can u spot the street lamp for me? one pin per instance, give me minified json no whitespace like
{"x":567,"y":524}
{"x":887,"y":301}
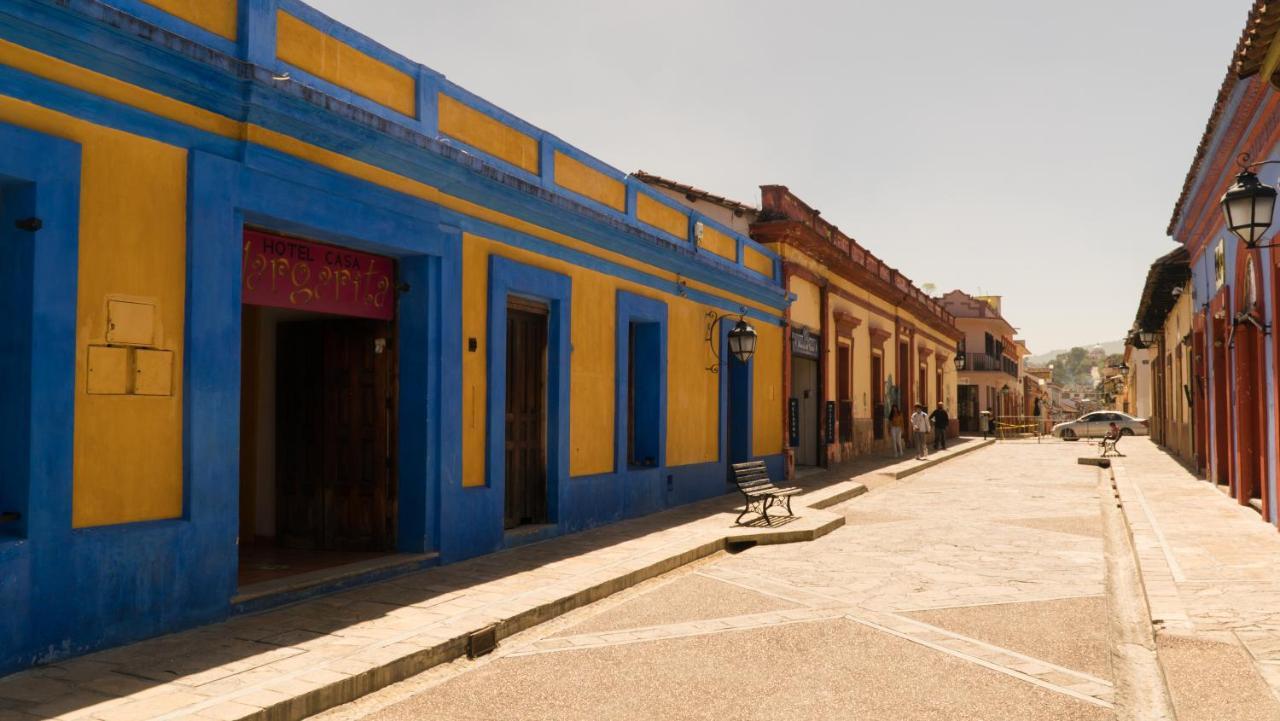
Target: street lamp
{"x":959,"y":360}
{"x":1124,"y":369}
{"x":741,"y":338}
{"x":1248,"y":205}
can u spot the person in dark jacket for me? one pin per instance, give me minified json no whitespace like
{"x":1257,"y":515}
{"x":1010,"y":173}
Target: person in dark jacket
{"x":941,"y":421}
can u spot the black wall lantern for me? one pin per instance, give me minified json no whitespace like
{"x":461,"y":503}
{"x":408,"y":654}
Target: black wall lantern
{"x":1248,"y":206}
{"x":959,"y":360}
{"x":742,"y":339}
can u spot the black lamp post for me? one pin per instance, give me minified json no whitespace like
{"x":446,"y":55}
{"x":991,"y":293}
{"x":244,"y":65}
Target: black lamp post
{"x":1248,"y":205}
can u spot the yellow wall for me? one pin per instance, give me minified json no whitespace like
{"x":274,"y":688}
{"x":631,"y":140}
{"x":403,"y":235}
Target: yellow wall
{"x":589,"y":182}
{"x":719,"y":243}
{"x":757,"y":261}
{"x":661,"y":216}
{"x":478,"y":130}
{"x":693,"y":392}
{"x":216,"y":16}
{"x":324,"y":56}
{"x":127,"y":449}
{"x":766,"y":401}
{"x":806,"y":309}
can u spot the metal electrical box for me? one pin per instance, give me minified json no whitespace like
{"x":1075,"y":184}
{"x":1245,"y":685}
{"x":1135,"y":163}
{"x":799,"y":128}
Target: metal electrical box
{"x":153,"y":372}
{"x":131,"y":323}
{"x":108,"y":370}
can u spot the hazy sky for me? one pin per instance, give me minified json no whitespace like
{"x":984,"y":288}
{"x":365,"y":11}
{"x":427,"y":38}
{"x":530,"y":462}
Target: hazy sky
{"x":1022,"y":148}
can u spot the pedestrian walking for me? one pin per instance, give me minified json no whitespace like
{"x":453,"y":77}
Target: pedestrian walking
{"x":941,"y":422}
{"x":920,"y":431}
{"x":984,"y":421}
{"x":895,"y":429}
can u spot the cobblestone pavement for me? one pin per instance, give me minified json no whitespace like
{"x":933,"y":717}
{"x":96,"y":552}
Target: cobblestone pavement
{"x":306,"y":657}
{"x":969,"y":591}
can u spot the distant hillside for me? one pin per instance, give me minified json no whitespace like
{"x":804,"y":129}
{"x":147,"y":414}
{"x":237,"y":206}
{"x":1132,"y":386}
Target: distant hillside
{"x":1110,"y":347}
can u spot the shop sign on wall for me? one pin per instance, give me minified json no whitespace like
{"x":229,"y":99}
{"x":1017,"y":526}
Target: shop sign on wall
{"x":803,"y":344}
{"x":291,"y":273}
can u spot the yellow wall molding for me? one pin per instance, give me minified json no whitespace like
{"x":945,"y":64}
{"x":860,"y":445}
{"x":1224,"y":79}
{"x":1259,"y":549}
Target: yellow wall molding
{"x":589,"y":182}
{"x":458,"y":120}
{"x":216,"y":16}
{"x":661,"y":216}
{"x":308,"y":48}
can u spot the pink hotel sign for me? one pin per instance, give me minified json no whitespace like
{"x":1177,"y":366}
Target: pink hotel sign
{"x":291,"y":273}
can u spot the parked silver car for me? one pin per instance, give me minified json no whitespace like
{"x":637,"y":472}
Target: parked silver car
{"x":1095,"y":425}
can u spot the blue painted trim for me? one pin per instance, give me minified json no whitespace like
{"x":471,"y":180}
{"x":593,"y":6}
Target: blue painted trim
{"x":355,"y":39}
{"x":155,"y":16}
{"x":632,"y":308}
{"x":506,"y":278}
{"x":282,"y":108}
{"x":351,"y":97}
{"x":256,"y":32}
{"x":725,"y":372}
{"x":38,"y":586}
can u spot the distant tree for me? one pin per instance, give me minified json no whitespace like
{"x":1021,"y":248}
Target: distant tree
{"x":929,"y":288}
{"x":1072,"y":368}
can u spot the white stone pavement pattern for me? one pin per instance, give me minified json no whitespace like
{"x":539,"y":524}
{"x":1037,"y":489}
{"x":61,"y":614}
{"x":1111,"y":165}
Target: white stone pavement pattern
{"x":969,"y":591}
{"x":298,"y":660}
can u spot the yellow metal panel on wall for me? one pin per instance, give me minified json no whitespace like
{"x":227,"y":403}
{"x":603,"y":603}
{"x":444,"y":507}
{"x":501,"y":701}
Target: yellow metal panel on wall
{"x":216,"y":16}
{"x":131,"y":322}
{"x":719,"y":243}
{"x":589,"y":182}
{"x":108,"y":371}
{"x":766,"y":398}
{"x":326,"y":57}
{"x":480,"y":131}
{"x":127,"y":453}
{"x":153,"y":372}
{"x":661,"y":216}
{"x":757,"y":261}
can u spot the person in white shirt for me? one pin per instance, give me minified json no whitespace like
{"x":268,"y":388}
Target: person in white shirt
{"x":920,"y":431}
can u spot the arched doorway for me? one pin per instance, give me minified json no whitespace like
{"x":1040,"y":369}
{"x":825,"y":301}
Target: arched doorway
{"x":1247,"y":363}
{"x":1220,"y":330}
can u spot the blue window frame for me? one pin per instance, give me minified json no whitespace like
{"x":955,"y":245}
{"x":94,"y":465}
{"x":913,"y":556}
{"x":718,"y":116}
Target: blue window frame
{"x":641,"y":382}
{"x":39,"y":190}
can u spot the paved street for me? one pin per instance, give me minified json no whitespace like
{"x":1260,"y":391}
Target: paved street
{"x":969,"y":591}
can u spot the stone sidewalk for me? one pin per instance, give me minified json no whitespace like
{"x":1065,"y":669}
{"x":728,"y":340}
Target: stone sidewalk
{"x":1211,"y":569}
{"x":295,"y":661}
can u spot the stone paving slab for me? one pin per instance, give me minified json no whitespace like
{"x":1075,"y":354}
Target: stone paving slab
{"x":295,"y":661}
{"x":1211,"y":570}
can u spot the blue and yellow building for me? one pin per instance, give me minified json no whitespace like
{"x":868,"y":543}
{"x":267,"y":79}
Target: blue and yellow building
{"x":279,"y":297}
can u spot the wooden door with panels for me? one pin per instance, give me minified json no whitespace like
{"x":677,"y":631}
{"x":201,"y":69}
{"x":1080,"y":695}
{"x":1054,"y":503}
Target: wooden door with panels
{"x":526,"y":413}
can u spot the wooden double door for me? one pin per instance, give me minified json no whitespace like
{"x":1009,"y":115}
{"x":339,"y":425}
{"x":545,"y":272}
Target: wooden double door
{"x":335,"y":461}
{"x":526,"y":415}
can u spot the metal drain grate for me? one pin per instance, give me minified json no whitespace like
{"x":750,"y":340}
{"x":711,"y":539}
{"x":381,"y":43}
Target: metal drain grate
{"x":482,"y":642}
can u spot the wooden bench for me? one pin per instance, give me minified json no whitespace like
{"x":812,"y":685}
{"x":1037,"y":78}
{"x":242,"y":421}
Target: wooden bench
{"x":1108,"y":445}
{"x":753,"y":480}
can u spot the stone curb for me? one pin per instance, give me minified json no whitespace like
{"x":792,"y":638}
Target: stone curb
{"x":930,"y":463}
{"x":397,"y":669}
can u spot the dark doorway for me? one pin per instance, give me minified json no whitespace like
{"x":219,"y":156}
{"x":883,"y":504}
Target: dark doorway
{"x":967,"y":408}
{"x":738,"y":407}
{"x":333,"y":463}
{"x":844,"y":391}
{"x":804,"y":388}
{"x":905,"y":395}
{"x":317,"y":442}
{"x":526,"y":426}
{"x":877,"y":395}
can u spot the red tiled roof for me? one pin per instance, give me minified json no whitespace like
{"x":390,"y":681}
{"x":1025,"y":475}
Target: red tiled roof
{"x":692,"y":194}
{"x":1251,"y":51}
